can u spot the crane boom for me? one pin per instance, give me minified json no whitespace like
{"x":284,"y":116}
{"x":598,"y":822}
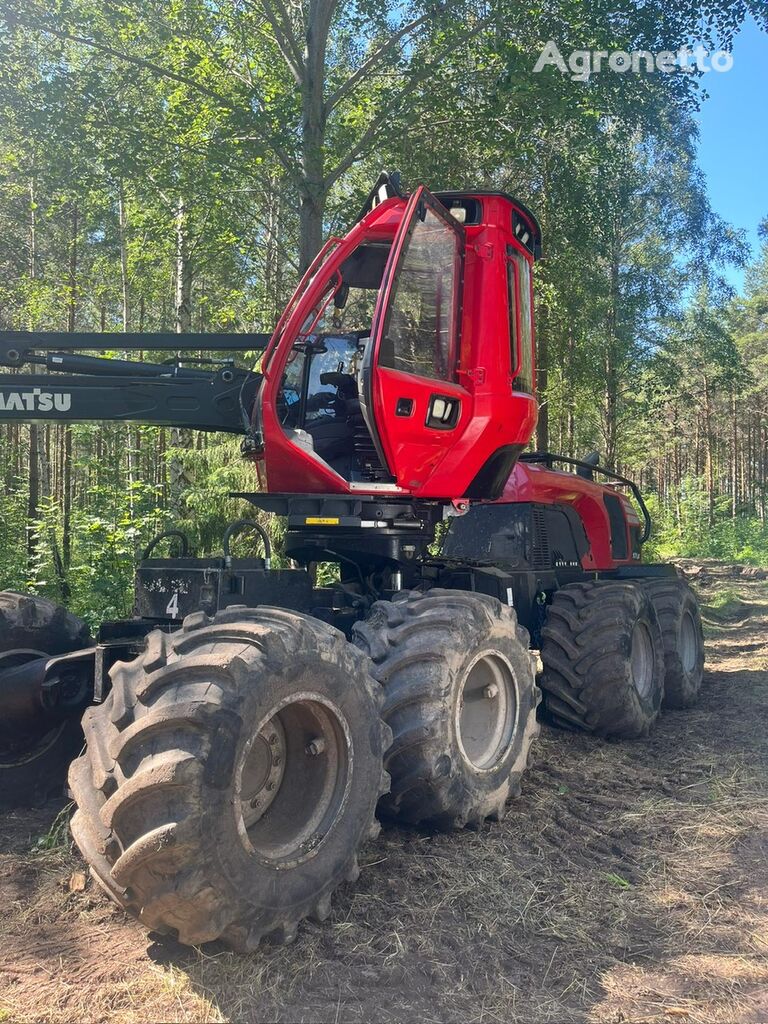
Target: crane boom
{"x":203,"y":394}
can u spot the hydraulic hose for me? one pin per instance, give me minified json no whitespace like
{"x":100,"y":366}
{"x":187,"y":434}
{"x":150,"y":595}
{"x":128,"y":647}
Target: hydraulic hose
{"x":237,"y":527}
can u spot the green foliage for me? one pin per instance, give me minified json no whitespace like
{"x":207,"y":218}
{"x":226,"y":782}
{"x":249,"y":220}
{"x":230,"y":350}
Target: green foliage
{"x":685,"y":531}
{"x":618,"y":881}
{"x":206,"y":509}
{"x":58,"y":837}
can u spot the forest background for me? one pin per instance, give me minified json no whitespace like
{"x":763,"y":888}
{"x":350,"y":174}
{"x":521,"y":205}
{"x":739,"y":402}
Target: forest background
{"x":173,"y":165}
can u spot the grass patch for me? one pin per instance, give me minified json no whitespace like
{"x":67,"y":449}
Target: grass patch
{"x":618,"y":881}
{"x":57,"y":838}
{"x":725,"y":606}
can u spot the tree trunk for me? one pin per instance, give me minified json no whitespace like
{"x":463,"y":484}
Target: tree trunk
{"x":123,"y":227}
{"x":734,"y":457}
{"x":542,"y":380}
{"x":570,"y":393}
{"x":181,"y":478}
{"x":709,"y":454}
{"x":313,"y":190}
{"x":126,"y":317}
{"x":273,"y":287}
{"x":33,"y":499}
{"x":72,"y":284}
{"x":66,"y":516}
{"x":310,"y":225}
{"x":610,"y":364}
{"x":62,"y":558}
{"x":183,"y":301}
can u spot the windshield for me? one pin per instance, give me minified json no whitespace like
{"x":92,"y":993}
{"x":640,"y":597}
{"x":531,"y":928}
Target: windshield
{"x":420,"y":335}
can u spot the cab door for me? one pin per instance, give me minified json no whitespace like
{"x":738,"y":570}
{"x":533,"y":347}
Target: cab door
{"x":413,"y":405}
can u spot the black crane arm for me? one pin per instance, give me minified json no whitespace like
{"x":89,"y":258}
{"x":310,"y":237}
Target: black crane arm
{"x":82,"y":388}
{"x":19,"y":347}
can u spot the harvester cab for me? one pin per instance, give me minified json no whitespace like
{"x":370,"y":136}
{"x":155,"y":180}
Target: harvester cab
{"x":403,"y":364}
{"x":247,"y":726}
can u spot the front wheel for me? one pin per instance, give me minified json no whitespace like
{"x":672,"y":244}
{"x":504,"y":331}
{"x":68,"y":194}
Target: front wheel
{"x":231,"y":776}
{"x":460,"y":698}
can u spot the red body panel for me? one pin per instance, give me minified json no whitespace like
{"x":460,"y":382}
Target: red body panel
{"x":486,"y":357}
{"x":529,"y":482}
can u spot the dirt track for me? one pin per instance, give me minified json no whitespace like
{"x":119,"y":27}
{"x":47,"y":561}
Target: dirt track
{"x":629,"y":883}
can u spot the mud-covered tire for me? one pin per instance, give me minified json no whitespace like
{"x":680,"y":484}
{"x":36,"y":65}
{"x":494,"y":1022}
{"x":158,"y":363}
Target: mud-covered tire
{"x":590,"y":678}
{"x":162,"y":814}
{"x":680,"y":619}
{"x":33,"y":765}
{"x":37,"y":623}
{"x":429,"y":650}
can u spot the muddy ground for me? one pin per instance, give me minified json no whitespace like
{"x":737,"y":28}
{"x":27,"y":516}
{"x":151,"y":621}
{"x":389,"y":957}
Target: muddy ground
{"x":629,"y":883}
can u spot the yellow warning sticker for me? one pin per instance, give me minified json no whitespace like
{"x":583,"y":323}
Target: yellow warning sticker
{"x":321,"y":521}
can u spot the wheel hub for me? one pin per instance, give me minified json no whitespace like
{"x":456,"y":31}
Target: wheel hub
{"x":262,"y":772}
{"x":689,"y":643}
{"x":293,"y":779}
{"x":641,"y":659}
{"x":487,"y":710}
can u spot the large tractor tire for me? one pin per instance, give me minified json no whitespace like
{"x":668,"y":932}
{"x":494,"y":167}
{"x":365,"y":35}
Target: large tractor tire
{"x":603,"y":659}
{"x":34,"y":761}
{"x":460,"y":698}
{"x":231,"y":776}
{"x":680,"y":621}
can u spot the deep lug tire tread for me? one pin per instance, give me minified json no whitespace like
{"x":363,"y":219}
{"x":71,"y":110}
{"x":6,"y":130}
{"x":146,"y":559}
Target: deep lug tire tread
{"x":157,"y":771}
{"x":585,"y":651}
{"x":417,"y":643}
{"x":672,"y":597}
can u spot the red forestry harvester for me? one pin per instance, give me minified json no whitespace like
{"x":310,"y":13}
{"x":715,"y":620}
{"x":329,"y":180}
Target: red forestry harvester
{"x":246,"y":726}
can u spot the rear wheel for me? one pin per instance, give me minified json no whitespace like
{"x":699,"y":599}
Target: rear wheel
{"x":460,"y":697}
{"x":680,"y":619}
{"x":34,"y":761}
{"x":603,"y":659}
{"x":231,"y":776}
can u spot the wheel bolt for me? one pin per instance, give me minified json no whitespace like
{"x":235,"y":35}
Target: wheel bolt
{"x":491,"y":692}
{"x":316,"y":747}
{"x":270,"y":786}
{"x":254,"y":802}
{"x":273,"y":738}
{"x":276,"y":761}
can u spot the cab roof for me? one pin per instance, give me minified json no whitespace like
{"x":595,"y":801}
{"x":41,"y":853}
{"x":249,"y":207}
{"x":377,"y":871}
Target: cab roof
{"x":525,"y":224}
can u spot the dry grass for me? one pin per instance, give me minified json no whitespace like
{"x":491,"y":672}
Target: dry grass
{"x":629,"y":884}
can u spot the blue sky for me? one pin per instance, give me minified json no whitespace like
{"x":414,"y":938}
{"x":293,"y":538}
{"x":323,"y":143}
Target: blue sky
{"x":733,"y":151}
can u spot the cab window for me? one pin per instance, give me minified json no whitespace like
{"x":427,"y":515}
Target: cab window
{"x":420,"y":333}
{"x":520,"y":327}
{"x":318,"y":403}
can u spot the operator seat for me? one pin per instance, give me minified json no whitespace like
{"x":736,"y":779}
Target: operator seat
{"x":340,"y":437}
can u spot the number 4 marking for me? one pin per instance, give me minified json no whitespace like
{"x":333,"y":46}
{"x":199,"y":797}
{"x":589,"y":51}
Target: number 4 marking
{"x":173,"y":606}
